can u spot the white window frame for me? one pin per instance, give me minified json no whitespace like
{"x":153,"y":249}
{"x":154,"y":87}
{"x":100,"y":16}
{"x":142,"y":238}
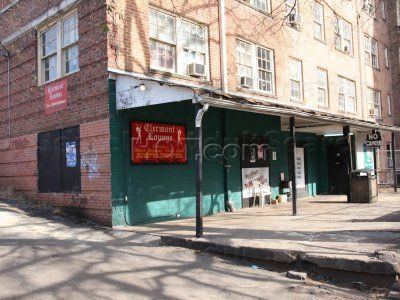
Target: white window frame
{"x":180,"y":60}
{"x":258,"y":5}
{"x":323,"y":86}
{"x":292,"y":6}
{"x":320,"y":23}
{"x":344,"y":93}
{"x":398,"y":12}
{"x":389,"y":103}
{"x":369,"y":45}
{"x":163,"y":42}
{"x":375,"y":101}
{"x":386,"y":54}
{"x":340,"y":35}
{"x":383,"y":7}
{"x":298,"y":80}
{"x":255,"y":69}
{"x":369,"y":6}
{"x":60,"y":57}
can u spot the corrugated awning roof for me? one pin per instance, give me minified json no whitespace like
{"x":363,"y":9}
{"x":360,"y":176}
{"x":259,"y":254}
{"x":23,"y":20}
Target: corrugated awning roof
{"x":253,"y":105}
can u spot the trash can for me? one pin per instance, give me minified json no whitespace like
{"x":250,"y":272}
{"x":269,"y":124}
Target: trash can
{"x":364,"y":186}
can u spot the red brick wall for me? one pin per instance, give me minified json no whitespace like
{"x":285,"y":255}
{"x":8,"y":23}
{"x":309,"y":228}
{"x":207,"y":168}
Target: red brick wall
{"x":87,"y":89}
{"x":19,"y":170}
{"x":87,"y":107}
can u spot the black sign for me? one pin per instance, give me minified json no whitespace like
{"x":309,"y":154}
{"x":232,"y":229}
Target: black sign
{"x":374,"y":139}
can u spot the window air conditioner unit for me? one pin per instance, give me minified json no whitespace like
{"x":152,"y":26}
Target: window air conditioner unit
{"x":294,"y":19}
{"x":246,"y":82}
{"x":373,"y":112}
{"x":196,"y":70}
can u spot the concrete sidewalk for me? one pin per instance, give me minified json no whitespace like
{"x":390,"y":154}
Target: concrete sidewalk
{"x":328,"y":232}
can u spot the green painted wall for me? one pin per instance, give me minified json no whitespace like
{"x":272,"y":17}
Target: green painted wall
{"x":163,"y":192}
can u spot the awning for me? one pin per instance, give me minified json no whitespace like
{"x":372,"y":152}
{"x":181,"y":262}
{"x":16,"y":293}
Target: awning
{"x":269,"y":108}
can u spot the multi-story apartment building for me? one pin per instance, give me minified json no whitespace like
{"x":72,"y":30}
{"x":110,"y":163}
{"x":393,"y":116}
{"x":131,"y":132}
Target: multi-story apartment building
{"x":101,"y":102}
{"x":393,"y":8}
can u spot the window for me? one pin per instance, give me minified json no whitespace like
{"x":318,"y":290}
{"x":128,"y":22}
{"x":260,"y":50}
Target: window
{"x":387,"y":65}
{"x":265,"y":70}
{"x":262,"y":5}
{"x":296,"y":80}
{"x":383,"y":7}
{"x":398,"y":12}
{"x":347,"y":95}
{"x":59,"y":52}
{"x":322,"y":86}
{"x":374,"y":102}
{"x":389,"y":104}
{"x":371,"y":52}
{"x":59,"y":161}
{"x":244,"y":60}
{"x":255,"y":62}
{"x":343,"y":36}
{"x":194,"y":47}
{"x":162,"y":41}
{"x":291,"y":6}
{"x":176,"y":44}
{"x":369,"y":7}
{"x":318,"y":12}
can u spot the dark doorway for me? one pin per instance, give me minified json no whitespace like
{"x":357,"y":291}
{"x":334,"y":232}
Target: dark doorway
{"x":336,"y":170}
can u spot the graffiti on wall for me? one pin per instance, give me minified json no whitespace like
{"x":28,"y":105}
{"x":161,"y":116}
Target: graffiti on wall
{"x":89,"y":162}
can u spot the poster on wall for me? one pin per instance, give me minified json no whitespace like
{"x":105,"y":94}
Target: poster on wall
{"x":154,"y":143}
{"x":255,"y":178}
{"x":368,"y":158}
{"x":70,"y":154}
{"x":55,"y":96}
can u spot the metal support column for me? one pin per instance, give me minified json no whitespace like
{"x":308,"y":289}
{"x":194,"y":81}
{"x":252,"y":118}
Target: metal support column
{"x":200,"y":110}
{"x":394,"y":161}
{"x":347,"y":147}
{"x":292,"y":164}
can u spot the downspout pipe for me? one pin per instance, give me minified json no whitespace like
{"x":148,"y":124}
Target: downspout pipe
{"x":360,"y":61}
{"x":7,"y":55}
{"x":222,"y":43}
{"x":200,"y":111}
{"x":9,"y":99}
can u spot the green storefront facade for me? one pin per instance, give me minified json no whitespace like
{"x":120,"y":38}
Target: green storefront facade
{"x":157,"y":192}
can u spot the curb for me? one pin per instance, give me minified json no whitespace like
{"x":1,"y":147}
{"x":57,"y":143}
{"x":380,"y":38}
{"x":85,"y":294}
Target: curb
{"x":371,"y":266}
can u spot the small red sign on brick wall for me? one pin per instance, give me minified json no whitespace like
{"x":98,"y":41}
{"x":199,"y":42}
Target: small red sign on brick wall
{"x":158,"y":143}
{"x":55,"y":96}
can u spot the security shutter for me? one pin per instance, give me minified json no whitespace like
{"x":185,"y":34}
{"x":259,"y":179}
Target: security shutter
{"x":59,"y":161}
{"x":70,"y":160}
{"x":49,"y":157}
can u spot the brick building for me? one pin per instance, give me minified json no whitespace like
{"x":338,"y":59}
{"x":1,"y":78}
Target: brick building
{"x":90,"y":79}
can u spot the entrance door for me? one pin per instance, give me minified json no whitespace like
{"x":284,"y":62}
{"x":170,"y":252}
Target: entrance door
{"x":336,"y":170}
{"x":255,"y":172}
{"x":301,"y":173}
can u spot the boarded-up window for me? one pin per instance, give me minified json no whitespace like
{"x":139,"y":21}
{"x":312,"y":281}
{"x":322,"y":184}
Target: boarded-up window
{"x":59,"y":161}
